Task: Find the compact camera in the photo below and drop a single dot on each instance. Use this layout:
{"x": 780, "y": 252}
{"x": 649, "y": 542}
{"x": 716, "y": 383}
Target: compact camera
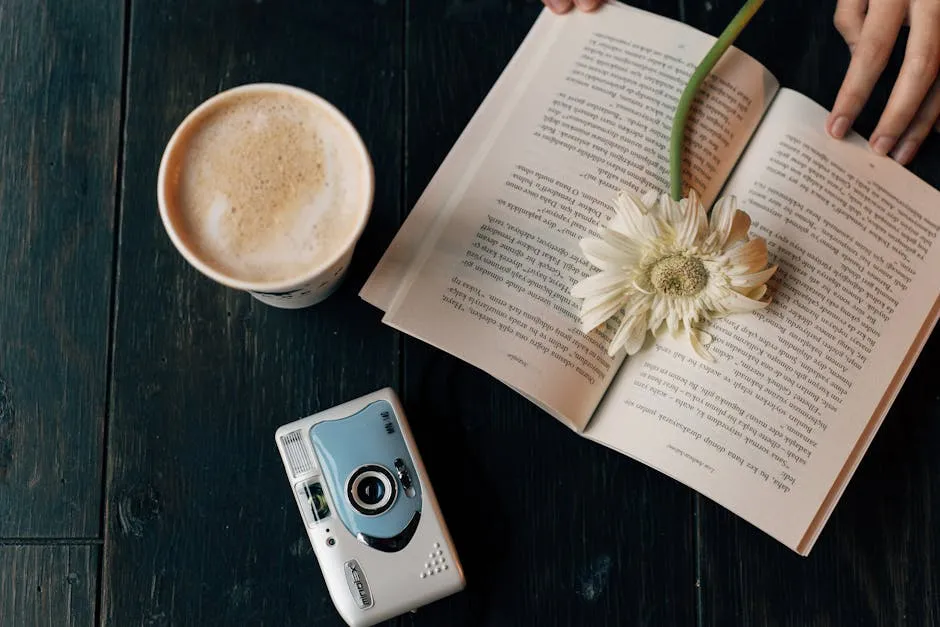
{"x": 369, "y": 509}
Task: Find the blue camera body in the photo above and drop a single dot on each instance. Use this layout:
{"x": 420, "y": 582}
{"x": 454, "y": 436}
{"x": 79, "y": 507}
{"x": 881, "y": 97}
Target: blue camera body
{"x": 365, "y": 458}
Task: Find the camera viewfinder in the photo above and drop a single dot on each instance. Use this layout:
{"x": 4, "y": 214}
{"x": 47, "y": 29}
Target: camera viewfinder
{"x": 311, "y": 493}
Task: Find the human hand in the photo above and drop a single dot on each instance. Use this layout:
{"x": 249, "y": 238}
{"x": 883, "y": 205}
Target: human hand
{"x": 563, "y": 6}
{"x": 870, "y": 28}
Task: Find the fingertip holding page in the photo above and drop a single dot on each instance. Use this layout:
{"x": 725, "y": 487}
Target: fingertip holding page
{"x": 883, "y": 145}
{"x": 588, "y": 5}
{"x": 838, "y": 127}
{"x": 559, "y": 6}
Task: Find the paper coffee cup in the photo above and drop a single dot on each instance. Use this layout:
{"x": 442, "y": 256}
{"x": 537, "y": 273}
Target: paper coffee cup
{"x": 310, "y": 285}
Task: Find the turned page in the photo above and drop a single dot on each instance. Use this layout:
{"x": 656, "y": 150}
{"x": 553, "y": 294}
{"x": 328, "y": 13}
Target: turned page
{"x": 587, "y": 114}
{"x": 774, "y": 428}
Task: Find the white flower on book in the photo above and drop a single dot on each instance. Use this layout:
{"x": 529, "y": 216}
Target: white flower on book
{"x": 664, "y": 266}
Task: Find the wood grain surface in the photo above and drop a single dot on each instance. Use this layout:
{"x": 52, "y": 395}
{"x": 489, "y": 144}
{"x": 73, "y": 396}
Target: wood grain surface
{"x": 48, "y": 585}
{"x": 201, "y": 525}
{"x": 60, "y": 87}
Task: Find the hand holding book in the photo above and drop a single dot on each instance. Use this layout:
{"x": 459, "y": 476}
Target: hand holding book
{"x": 871, "y": 29}
{"x": 563, "y": 6}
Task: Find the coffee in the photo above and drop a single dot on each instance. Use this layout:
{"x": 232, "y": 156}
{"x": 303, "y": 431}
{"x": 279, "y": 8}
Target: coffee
{"x": 266, "y": 185}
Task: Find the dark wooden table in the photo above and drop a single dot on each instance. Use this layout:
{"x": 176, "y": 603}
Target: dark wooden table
{"x": 139, "y": 484}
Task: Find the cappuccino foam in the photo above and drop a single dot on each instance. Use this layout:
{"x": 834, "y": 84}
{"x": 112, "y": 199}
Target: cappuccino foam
{"x": 266, "y": 186}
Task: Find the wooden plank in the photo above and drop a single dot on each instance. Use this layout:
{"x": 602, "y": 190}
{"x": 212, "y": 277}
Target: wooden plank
{"x": 201, "y": 525}
{"x": 552, "y": 529}
{"x": 50, "y": 585}
{"x": 875, "y": 563}
{"x": 60, "y": 88}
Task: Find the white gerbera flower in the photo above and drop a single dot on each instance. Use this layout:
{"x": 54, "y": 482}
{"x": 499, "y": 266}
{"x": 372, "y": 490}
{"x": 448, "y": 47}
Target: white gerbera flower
{"x": 664, "y": 265}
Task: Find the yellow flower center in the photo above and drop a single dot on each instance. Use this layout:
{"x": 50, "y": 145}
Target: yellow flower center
{"x": 679, "y": 275}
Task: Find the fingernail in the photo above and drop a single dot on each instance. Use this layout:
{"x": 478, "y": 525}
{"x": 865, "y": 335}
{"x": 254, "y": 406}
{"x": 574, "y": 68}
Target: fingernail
{"x": 840, "y": 127}
{"x": 585, "y": 5}
{"x": 559, "y": 5}
{"x": 883, "y": 145}
{"x": 905, "y": 151}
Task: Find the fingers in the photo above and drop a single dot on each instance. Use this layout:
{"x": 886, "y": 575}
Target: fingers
{"x": 563, "y": 6}
{"x": 917, "y": 76}
{"x": 925, "y": 120}
{"x": 588, "y": 5}
{"x": 869, "y": 57}
{"x": 559, "y": 6}
{"x": 849, "y": 17}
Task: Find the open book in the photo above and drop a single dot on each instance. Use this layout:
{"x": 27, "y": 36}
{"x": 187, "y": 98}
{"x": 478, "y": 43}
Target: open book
{"x": 776, "y": 425}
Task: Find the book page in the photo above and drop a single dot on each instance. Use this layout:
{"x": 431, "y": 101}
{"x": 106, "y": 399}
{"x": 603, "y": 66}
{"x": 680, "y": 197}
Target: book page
{"x": 773, "y": 428}
{"x": 589, "y": 115}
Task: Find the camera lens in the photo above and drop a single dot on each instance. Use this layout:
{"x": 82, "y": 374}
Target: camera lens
{"x": 371, "y": 489}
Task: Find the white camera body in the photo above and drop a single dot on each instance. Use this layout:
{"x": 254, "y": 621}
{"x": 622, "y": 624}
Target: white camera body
{"x": 369, "y": 509}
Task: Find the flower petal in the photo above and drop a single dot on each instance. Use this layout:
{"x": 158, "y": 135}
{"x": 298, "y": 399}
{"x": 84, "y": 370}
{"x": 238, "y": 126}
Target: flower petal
{"x": 599, "y": 310}
{"x": 653, "y": 223}
{"x": 722, "y": 217}
{"x": 671, "y": 211}
{"x": 622, "y": 242}
{"x": 629, "y": 336}
{"x": 749, "y": 257}
{"x": 634, "y": 323}
{"x": 604, "y": 280}
{"x": 700, "y": 340}
{"x": 633, "y": 214}
{"x": 658, "y": 311}
{"x": 733, "y": 302}
{"x": 601, "y": 254}
{"x": 690, "y": 226}
{"x": 692, "y": 310}
{"x": 752, "y": 279}
{"x": 640, "y": 287}
{"x": 739, "y": 228}
{"x": 757, "y": 293}
{"x": 702, "y": 215}
{"x": 634, "y": 341}
{"x": 672, "y": 316}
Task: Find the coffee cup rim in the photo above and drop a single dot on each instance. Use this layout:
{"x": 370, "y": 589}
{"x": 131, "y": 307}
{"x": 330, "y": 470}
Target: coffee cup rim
{"x": 283, "y": 285}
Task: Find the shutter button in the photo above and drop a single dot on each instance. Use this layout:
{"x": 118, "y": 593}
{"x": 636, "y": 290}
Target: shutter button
{"x": 403, "y": 475}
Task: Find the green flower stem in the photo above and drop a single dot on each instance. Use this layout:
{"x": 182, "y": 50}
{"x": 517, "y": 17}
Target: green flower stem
{"x": 723, "y": 42}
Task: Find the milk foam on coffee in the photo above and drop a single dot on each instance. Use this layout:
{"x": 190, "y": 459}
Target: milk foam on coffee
{"x": 266, "y": 186}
